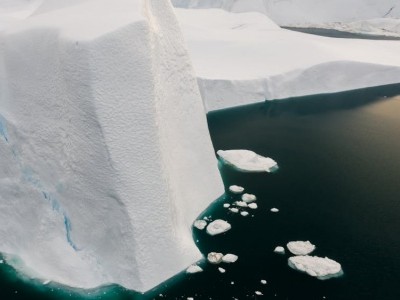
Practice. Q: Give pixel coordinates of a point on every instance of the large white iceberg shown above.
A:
(322, 268)
(101, 120)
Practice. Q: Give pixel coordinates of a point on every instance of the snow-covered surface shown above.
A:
(229, 258)
(300, 247)
(214, 257)
(236, 189)
(249, 198)
(322, 268)
(194, 269)
(245, 58)
(279, 249)
(102, 126)
(218, 227)
(200, 224)
(247, 161)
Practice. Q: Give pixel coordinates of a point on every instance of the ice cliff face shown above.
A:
(105, 155)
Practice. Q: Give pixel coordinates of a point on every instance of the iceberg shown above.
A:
(236, 189)
(253, 205)
(247, 161)
(229, 258)
(101, 120)
(218, 227)
(194, 269)
(249, 198)
(200, 224)
(300, 247)
(322, 268)
(279, 250)
(214, 257)
(274, 210)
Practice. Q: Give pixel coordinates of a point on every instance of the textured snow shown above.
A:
(300, 247)
(218, 227)
(245, 58)
(200, 224)
(102, 125)
(214, 257)
(280, 250)
(229, 258)
(247, 161)
(249, 198)
(194, 269)
(322, 268)
(236, 189)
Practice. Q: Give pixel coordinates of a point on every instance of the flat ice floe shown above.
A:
(241, 203)
(236, 189)
(253, 205)
(249, 198)
(234, 210)
(229, 258)
(214, 257)
(300, 247)
(247, 161)
(200, 224)
(280, 250)
(275, 210)
(322, 268)
(218, 227)
(194, 269)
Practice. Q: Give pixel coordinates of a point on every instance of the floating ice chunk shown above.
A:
(200, 224)
(241, 203)
(236, 189)
(234, 210)
(279, 250)
(248, 161)
(222, 270)
(226, 205)
(190, 298)
(258, 293)
(253, 205)
(214, 257)
(263, 281)
(300, 247)
(229, 258)
(322, 268)
(275, 210)
(194, 269)
(218, 227)
(249, 198)
(244, 213)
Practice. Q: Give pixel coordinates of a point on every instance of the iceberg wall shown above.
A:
(105, 155)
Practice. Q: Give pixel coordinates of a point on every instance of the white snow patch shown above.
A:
(200, 224)
(253, 205)
(248, 198)
(280, 250)
(229, 258)
(247, 161)
(194, 269)
(218, 227)
(275, 210)
(322, 268)
(236, 189)
(244, 213)
(214, 257)
(221, 270)
(241, 203)
(300, 247)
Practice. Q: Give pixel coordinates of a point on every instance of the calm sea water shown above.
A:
(338, 186)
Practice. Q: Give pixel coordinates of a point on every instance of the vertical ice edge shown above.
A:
(108, 158)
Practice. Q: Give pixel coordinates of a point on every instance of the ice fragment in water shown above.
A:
(236, 189)
(300, 247)
(244, 213)
(249, 198)
(194, 269)
(214, 257)
(222, 270)
(322, 268)
(234, 210)
(218, 227)
(200, 224)
(279, 250)
(229, 258)
(253, 205)
(241, 203)
(275, 210)
(248, 161)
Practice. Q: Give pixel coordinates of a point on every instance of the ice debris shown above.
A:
(322, 268)
(253, 205)
(194, 269)
(249, 198)
(222, 270)
(280, 250)
(236, 189)
(241, 203)
(275, 210)
(229, 258)
(214, 257)
(218, 227)
(226, 205)
(258, 293)
(248, 161)
(200, 224)
(244, 213)
(263, 281)
(300, 247)
(234, 210)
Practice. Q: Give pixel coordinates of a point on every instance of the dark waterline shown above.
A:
(333, 33)
(337, 186)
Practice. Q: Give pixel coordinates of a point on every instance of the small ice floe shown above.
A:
(190, 298)
(222, 270)
(234, 210)
(258, 293)
(253, 205)
(263, 281)
(194, 269)
(214, 257)
(218, 227)
(300, 247)
(200, 224)
(236, 189)
(247, 161)
(226, 205)
(249, 198)
(274, 210)
(229, 258)
(322, 268)
(241, 203)
(279, 250)
(244, 213)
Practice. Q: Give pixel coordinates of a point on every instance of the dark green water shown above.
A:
(338, 186)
